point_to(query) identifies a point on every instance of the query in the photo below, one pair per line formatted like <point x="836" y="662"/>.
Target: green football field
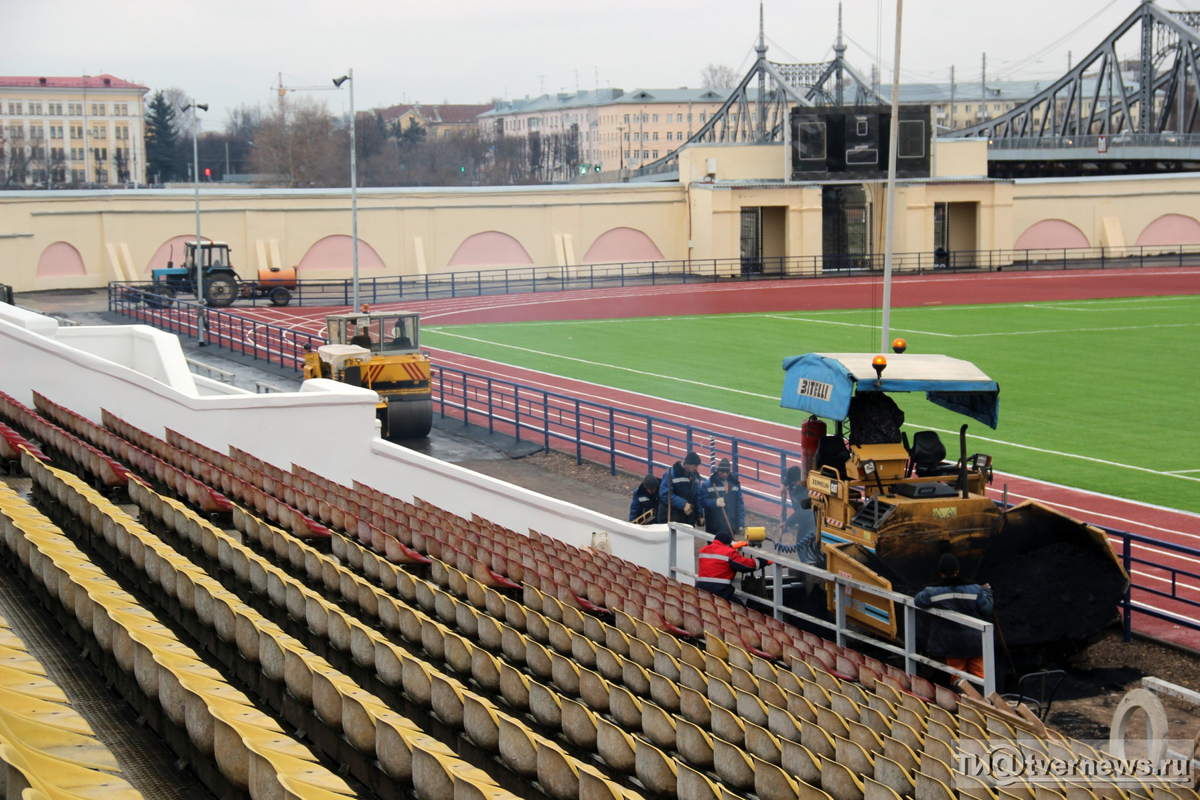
<point x="1097" y="394"/>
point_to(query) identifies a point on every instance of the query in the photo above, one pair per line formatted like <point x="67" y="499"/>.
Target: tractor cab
<point x="213" y="255"/>
<point x="385" y="333"/>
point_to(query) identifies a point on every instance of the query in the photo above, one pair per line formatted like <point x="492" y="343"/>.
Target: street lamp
<point x="201" y="322"/>
<point x="349" y="76"/>
<point x="620" y="149"/>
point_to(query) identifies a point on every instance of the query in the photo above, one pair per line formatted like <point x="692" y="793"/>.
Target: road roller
<point x="379" y="351"/>
<point x="886" y="507"/>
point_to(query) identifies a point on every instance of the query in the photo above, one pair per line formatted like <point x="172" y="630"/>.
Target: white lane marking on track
<point x="608" y="366"/>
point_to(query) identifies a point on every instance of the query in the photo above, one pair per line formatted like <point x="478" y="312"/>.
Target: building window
<point x="14" y="108"/>
<point x="656" y="154"/>
<point x="668" y="136"/>
<point x="967" y="109"/>
<point x="702" y="117"/>
<point x="626" y="118"/>
<point x="654" y="136"/>
<point x="656" y="117"/>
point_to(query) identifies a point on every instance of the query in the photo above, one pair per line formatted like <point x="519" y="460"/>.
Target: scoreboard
<point x="852" y="143"/>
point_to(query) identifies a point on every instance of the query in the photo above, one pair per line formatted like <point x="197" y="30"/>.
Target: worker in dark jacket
<point x="798" y="533"/>
<point x="961" y="646"/>
<point x="720" y="562"/>
<point x="679" y="492"/>
<point x="724" y="509"/>
<point x="644" y="508"/>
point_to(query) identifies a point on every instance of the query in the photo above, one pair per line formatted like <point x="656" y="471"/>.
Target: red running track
<point x="838" y="292"/>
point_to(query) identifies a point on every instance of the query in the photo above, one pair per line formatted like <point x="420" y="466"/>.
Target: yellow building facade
<point x="71" y="131"/>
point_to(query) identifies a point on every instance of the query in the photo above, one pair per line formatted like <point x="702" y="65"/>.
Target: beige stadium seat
<point x="728" y="725"/>
<point x="694" y="785"/>
<point x="762" y="744"/>
<point x="658" y="727"/>
<point x="839" y="781"/>
<point x="771" y="782"/>
<point x="798" y="760"/>
<point x="930" y="788"/>
<point x="733" y="765"/>
<point x="578" y="724"/>
<point x="694" y="744"/>
<point x="615" y="746"/>
<point x="657" y="771"/>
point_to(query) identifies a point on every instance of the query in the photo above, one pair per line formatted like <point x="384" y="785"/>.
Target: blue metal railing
<point x="523" y="280"/>
<point x="258" y="340"/>
<point x="1172" y="575"/>
<point x="592" y="431"/>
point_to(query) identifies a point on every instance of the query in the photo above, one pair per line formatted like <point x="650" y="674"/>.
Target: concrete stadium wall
<point x="1111" y="211"/>
<point x="414" y="231"/>
<point x="327" y="427"/>
<point x="55" y="240"/>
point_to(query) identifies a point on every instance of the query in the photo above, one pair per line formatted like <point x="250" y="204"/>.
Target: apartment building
<point x="71" y="131"/>
<point x="613" y="129"/>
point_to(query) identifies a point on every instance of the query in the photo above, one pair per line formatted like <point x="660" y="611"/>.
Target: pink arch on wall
<point x="622" y="244"/>
<point x="60" y="260"/>
<point x="336" y="252"/>
<point x="490" y="249"/>
<point x="172" y="250"/>
<point x="1051" y="234"/>
<point x="1171" y="229"/>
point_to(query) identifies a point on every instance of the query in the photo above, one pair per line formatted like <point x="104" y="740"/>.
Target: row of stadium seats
<point x="406" y="753"/>
<point x="106" y="469"/>
<point x="684" y="721"/>
<point x="250" y="749"/>
<point x="46" y="747"/>
<point x="546" y="704"/>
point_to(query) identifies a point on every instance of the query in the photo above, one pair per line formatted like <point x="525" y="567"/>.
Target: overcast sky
<point x="228" y="52"/>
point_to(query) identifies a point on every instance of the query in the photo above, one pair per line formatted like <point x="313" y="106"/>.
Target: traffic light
<point x="207" y="172"/>
<point x="462" y="169"/>
<point x="597" y="168"/>
<point x="583" y="169"/>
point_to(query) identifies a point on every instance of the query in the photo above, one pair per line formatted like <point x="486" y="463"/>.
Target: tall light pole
<point x="201" y="321"/>
<point x="889" y="235"/>
<point x="349" y="76"/>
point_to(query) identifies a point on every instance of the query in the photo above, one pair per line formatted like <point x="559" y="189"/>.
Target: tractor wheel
<point x="411" y="420"/>
<point x="220" y="291"/>
<point x="279" y="296"/>
<point x="162" y="296"/>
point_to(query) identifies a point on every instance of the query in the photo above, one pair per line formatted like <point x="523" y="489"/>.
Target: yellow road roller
<point x="379" y="351"/>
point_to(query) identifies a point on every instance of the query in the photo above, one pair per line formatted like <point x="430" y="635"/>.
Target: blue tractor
<point x="220" y="279"/>
<point x="221" y="282"/>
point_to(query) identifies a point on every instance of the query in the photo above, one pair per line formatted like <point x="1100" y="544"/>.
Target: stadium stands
<point x="451" y="656"/>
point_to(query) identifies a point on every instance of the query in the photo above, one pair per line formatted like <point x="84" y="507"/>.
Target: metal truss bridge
<point x="1107" y="115"/>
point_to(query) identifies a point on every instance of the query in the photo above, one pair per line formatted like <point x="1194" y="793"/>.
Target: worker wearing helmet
<point x="679" y="492"/>
<point x="720" y="561"/>
<point x="644" y="508"/>
<point x="724" y="509"/>
<point x="961" y="646"/>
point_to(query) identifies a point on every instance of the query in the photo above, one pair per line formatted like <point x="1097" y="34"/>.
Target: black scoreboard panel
<point x="841" y="142"/>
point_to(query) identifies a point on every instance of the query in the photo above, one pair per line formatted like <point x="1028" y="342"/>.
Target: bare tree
<point x="14" y="163"/>
<point x="299" y="146"/>
<point x="719" y="76"/>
